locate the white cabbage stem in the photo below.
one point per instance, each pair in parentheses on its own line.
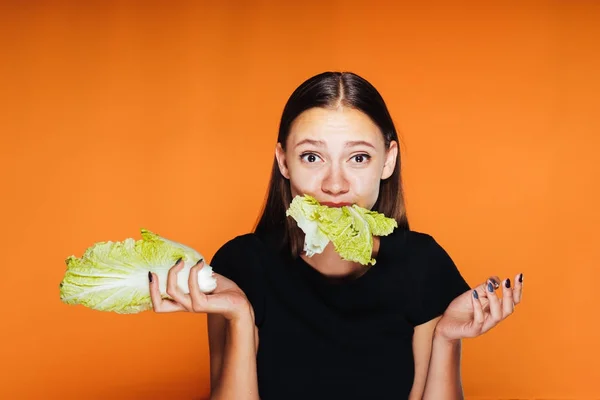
(206,280)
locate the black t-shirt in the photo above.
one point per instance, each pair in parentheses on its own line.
(350,340)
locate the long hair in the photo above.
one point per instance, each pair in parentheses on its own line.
(330,90)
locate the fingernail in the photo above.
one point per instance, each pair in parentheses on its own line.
(199,261)
(507,283)
(150,276)
(490,287)
(475,294)
(177,262)
(521,278)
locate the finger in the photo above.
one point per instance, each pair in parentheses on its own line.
(518,290)
(158,303)
(478,315)
(481,291)
(507,299)
(495,280)
(495,306)
(155,296)
(199,301)
(173,289)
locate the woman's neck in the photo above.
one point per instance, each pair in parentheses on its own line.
(329,262)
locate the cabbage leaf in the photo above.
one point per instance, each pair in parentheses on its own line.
(349,228)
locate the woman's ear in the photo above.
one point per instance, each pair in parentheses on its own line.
(281,161)
(390,160)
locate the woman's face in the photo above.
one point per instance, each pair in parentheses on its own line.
(338,156)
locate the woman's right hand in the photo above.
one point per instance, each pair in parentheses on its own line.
(227,299)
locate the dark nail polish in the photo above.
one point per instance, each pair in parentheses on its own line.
(199,261)
(177,262)
(507,283)
(150,276)
(521,278)
(490,287)
(475,294)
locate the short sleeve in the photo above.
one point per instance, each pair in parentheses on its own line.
(238,260)
(436,282)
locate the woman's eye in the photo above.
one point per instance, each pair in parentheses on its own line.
(361,158)
(310,157)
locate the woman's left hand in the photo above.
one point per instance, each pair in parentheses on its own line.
(479,310)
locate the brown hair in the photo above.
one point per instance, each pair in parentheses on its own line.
(330,90)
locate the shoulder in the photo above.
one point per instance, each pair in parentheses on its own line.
(421,254)
(237,243)
(237,256)
(424,245)
(417,245)
(419,241)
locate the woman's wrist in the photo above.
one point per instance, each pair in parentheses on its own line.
(440,337)
(441,340)
(242,316)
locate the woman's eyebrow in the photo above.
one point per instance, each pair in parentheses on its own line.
(311,141)
(354,143)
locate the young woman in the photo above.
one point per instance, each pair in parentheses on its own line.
(286,326)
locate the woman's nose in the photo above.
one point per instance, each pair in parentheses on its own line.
(335,182)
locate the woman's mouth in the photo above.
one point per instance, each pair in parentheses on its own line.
(332,204)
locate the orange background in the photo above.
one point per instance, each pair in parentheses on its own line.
(121,115)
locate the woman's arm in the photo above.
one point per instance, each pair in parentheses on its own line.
(437,373)
(422,341)
(232,346)
(443,377)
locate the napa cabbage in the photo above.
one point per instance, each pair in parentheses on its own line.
(113,276)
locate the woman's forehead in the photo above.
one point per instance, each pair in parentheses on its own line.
(331,127)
